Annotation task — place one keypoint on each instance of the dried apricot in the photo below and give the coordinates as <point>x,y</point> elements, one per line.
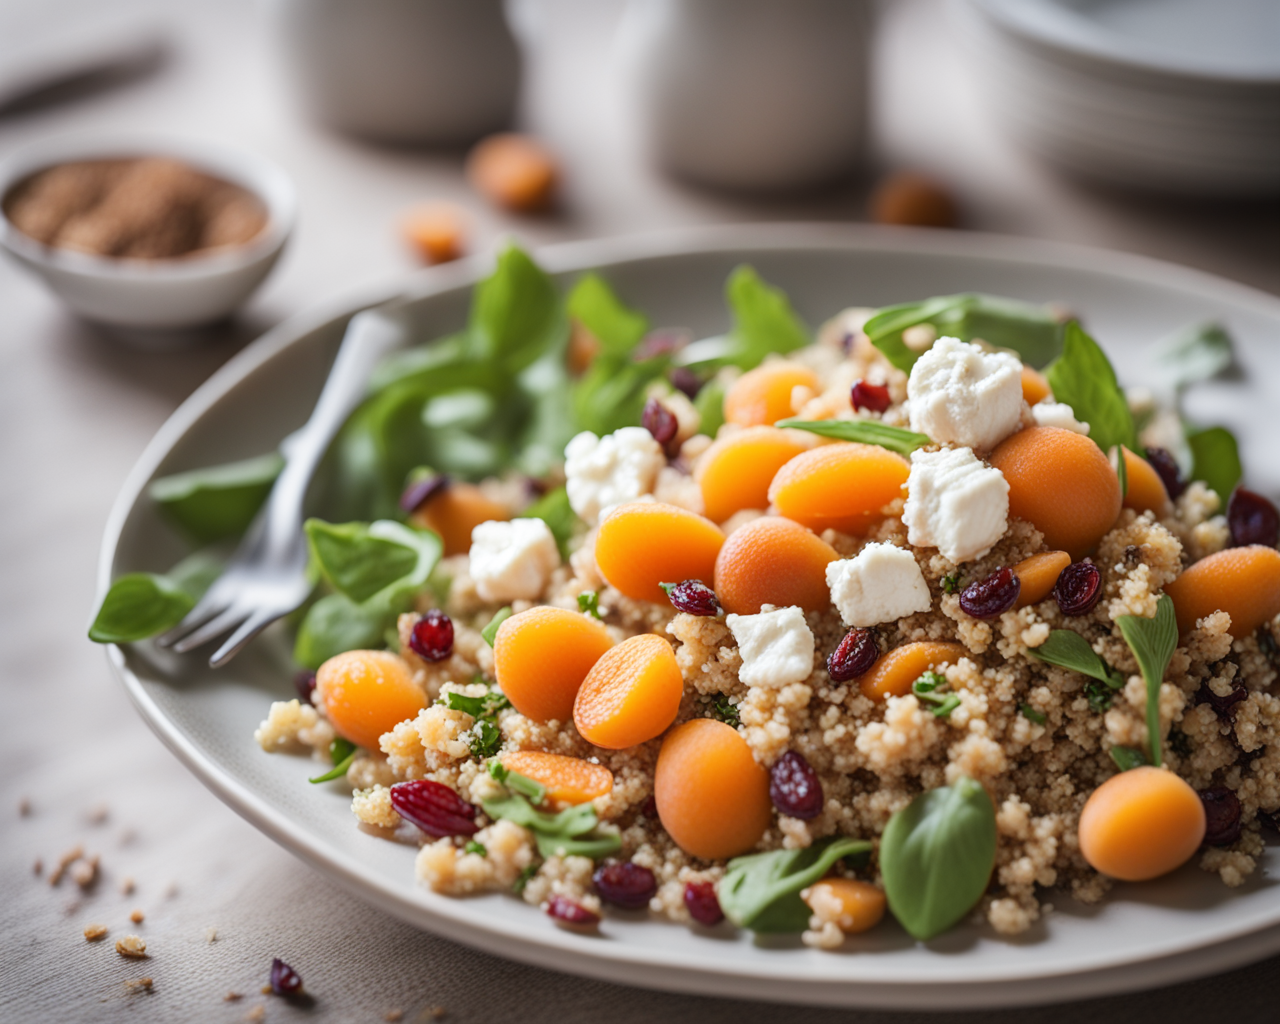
<point>735,471</point>
<point>1141,824</point>
<point>646,543</point>
<point>1243,582</point>
<point>763,396</point>
<point>1035,387</point>
<point>1038,574</point>
<point>515,171</point>
<point>454,512</point>
<point>839,486</point>
<point>630,695</point>
<point>1145,491</point>
<point>368,693</point>
<point>893,674</point>
<point>542,655</point>
<point>775,561</point>
<point>569,780</point>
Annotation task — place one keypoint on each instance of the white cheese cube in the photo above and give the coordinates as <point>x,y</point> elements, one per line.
<point>960,395</point>
<point>512,560</point>
<point>776,646</point>
<point>955,503</point>
<point>1058,414</point>
<point>882,583</point>
<point>601,472</point>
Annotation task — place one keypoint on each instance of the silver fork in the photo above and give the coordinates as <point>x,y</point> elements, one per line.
<point>266,577</point>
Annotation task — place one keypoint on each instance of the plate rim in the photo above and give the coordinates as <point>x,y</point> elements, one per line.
<point>644,966</point>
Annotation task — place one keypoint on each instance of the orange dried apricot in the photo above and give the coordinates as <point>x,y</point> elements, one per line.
<point>1141,824</point>
<point>855,905</point>
<point>763,396</point>
<point>630,695</point>
<point>438,232</point>
<point>1243,582</point>
<point>1035,386</point>
<point>839,486</point>
<point>1061,483</point>
<point>646,543</point>
<point>1038,574</point>
<point>712,796</point>
<point>736,470</point>
<point>367,693</point>
<point>514,171</point>
<point>542,655</point>
<point>1146,492</point>
<point>569,780</point>
<point>455,512</point>
<point>895,671</point>
<point>776,561</point>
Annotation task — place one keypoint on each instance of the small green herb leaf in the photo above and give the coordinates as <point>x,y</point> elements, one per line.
<point>490,631</point>
<point>341,753</point>
<point>1068,649</point>
<point>1100,696</point>
<point>724,710</point>
<point>950,584</point>
<point>1194,354</point>
<point>1153,642</point>
<point>485,740</point>
<point>475,847</point>
<point>218,502</point>
<point>1215,459</point>
<point>1083,378</point>
<point>936,856</point>
<point>589,604</point>
<point>904,442</point>
<point>1127,758</point>
<point>518,783</point>
<point>562,834</point>
<point>361,559</point>
<point>931,690</point>
<point>764,321</point>
<point>1031,714</point>
<point>762,890</point>
<point>526,873</point>
<point>617,327</point>
<point>477,707</point>
<point>1122,471</point>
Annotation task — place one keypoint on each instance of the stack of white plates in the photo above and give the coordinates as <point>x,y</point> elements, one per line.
<point>1169,95</point>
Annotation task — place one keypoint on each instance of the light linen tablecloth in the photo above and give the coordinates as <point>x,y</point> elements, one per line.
<point>218,899</point>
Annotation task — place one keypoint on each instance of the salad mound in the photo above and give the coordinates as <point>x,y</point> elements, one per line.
<point>922,613</point>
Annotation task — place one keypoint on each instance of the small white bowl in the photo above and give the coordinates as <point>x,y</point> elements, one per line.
<point>155,295</point>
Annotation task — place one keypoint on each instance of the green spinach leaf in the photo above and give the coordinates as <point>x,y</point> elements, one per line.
<point>1215,459</point>
<point>616,326</point>
<point>1197,353</point>
<point>1068,649</point>
<point>710,406</point>
<point>144,604</point>
<point>1083,378</point>
<point>361,559</point>
<point>761,891</point>
<point>553,509</point>
<point>566,834</point>
<point>764,321</point>
<point>219,502</point>
<point>896,439</point>
<point>936,856</point>
<point>335,624</point>
<point>1153,642</point>
<point>515,312</point>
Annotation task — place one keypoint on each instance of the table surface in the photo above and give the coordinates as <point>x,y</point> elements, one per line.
<point>76,409</point>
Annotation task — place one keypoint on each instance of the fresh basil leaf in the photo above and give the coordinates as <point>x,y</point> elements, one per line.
<point>710,406</point>
<point>761,891</point>
<point>936,856</point>
<point>617,327</point>
<point>139,605</point>
<point>515,312</point>
<point>1083,378</point>
<point>360,559</point>
<point>1127,758</point>
<point>219,502</point>
<point>335,624</point>
<point>1068,649</point>
<point>1153,642</point>
<point>1031,714</point>
<point>490,631</point>
<point>1215,459</point>
<point>553,508</point>
<point>764,321</point>
<point>1196,353</point>
<point>904,442</point>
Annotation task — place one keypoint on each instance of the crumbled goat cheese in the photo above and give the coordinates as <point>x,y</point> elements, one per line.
<point>955,503</point>
<point>1058,414</point>
<point>958,394</point>
<point>776,647</point>
<point>882,583</point>
<point>512,560</point>
<point>601,472</point>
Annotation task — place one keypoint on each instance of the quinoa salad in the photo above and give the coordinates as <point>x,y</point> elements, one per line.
<point>920,614</point>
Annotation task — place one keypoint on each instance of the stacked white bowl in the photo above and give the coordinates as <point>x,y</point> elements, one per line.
<point>1175,96</point>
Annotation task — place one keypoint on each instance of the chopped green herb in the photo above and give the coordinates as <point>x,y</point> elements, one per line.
<point>1127,758</point>
<point>1031,714</point>
<point>474,847</point>
<point>1179,742</point>
<point>761,891</point>
<point>950,584</point>
<point>1100,696</point>
<point>568,833</point>
<point>341,754</point>
<point>490,631</point>
<point>930,691</point>
<point>724,710</point>
<point>522,880</point>
<point>589,603</point>
<point>518,783</point>
<point>896,439</point>
<point>1068,649</point>
<point>486,739</point>
<point>1153,642</point>
<point>1215,459</point>
<point>477,707</point>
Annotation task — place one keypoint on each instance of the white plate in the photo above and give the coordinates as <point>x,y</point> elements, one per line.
<point>1180,927</point>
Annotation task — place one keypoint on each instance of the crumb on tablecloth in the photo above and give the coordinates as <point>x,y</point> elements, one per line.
<point>95,932</point>
<point>131,946</point>
<point>137,917</point>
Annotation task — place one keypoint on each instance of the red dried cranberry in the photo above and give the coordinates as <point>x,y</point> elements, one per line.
<point>1252,519</point>
<point>305,683</point>
<point>569,911</point>
<point>625,884</point>
<point>432,636</point>
<point>702,903</point>
<point>992,597</point>
<point>1166,467</point>
<point>660,421</point>
<point>684,379</point>
<point>866,395</point>
<point>434,808</point>
<point>422,491</point>
<point>1222,816</point>
<point>693,597</point>
<point>856,652</point>
<point>650,807</point>
<point>794,787</point>
<point>1078,589</point>
<point>1224,706</point>
<point>285,981</point>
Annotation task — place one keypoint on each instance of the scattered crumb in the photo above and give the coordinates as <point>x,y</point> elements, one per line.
<point>137,917</point>
<point>211,935</point>
<point>95,932</point>
<point>432,1013</point>
<point>232,997</point>
<point>38,866</point>
<point>393,1015</point>
<point>64,862</point>
<point>98,815</point>
<point>256,1013</point>
<point>126,885</point>
<point>138,984</point>
<point>24,808</point>
<point>85,872</point>
<point>132,946</point>
<point>267,990</point>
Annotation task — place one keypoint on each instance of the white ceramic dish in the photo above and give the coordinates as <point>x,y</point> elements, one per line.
<point>156,295</point>
<point>1179,927</point>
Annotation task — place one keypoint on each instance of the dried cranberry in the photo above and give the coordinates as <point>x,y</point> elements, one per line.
<point>1078,589</point>
<point>660,421</point>
<point>794,787</point>
<point>569,911</point>
<point>1166,468</point>
<point>989,598</point>
<point>1224,706</point>
<point>702,903</point>
<point>432,636</point>
<point>1222,816</point>
<point>625,884</point>
<point>422,491</point>
<point>1253,519</point>
<point>285,981</point>
<point>434,808</point>
<point>856,652</point>
<point>305,683</point>
<point>684,379</point>
<point>693,597</point>
<point>650,807</point>
<point>865,395</point>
